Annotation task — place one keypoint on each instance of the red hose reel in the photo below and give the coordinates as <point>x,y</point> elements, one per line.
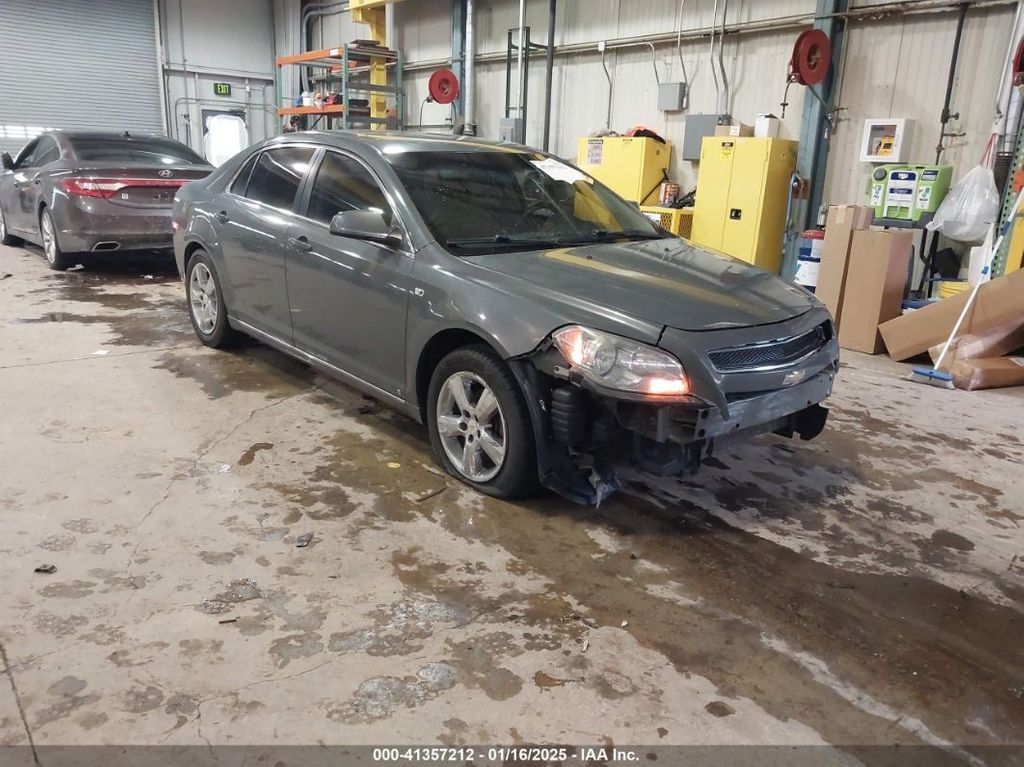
<point>443,86</point>
<point>812,55</point>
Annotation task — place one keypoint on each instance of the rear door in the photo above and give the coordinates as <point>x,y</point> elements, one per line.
<point>252,218</point>
<point>349,297</point>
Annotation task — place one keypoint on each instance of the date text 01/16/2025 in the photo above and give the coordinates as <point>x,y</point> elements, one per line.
<point>504,754</point>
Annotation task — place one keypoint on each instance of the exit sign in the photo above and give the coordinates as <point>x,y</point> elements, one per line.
<point>222,89</point>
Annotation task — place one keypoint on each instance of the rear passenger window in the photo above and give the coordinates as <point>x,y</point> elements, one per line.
<point>46,152</point>
<point>341,184</point>
<point>277,175</point>
<point>242,179</point>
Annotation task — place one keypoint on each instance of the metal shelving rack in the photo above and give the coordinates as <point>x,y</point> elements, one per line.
<point>368,77</point>
<point>1009,197</point>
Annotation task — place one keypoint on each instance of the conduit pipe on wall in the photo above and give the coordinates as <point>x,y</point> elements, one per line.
<point>316,11</point>
<point>470,72</point>
<point>723,102</point>
<point>711,54</point>
<point>521,68</point>
<point>1008,113</point>
<point>794,21</point>
<point>549,72</point>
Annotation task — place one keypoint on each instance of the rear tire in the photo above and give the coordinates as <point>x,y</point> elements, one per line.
<point>480,428</point>
<point>205,301</point>
<point>55,257</point>
<point>5,237</point>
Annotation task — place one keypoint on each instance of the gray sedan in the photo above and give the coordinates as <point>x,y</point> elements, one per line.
<point>542,328</point>
<point>75,192</point>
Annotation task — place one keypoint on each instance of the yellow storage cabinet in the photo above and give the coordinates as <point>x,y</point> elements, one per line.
<point>631,167</point>
<point>742,190</point>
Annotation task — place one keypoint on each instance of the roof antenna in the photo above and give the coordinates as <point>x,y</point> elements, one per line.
<point>127,134</point>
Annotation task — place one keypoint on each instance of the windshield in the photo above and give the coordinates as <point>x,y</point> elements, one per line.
<point>124,149</point>
<point>485,201</point>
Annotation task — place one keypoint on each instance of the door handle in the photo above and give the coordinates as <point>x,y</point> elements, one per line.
<point>222,216</point>
<point>300,243</point>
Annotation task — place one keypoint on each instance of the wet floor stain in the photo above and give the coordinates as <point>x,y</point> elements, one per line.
<point>546,681</point>
<point>238,591</point>
<point>381,696</point>
<point>951,540</point>
<point>247,368</point>
<point>719,708</point>
<point>250,452</point>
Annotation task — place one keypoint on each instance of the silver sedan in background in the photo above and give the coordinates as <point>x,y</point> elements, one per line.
<point>76,192</point>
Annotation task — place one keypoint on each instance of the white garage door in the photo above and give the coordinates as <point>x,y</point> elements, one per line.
<point>77,64</point>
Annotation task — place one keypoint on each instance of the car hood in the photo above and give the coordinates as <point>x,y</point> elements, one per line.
<point>671,282</point>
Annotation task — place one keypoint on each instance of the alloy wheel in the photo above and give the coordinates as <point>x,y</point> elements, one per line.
<point>471,426</point>
<point>49,238</point>
<point>203,299</point>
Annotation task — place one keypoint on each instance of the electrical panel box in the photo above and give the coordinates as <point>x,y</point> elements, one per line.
<point>632,167</point>
<point>510,129</point>
<point>696,128</point>
<point>908,192</point>
<point>742,194</point>
<point>672,97</point>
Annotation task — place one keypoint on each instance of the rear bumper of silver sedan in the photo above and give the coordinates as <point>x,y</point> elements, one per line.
<point>96,225</point>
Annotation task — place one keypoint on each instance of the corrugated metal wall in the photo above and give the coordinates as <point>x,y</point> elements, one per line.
<point>63,65</point>
<point>894,66</point>
<point>897,67</point>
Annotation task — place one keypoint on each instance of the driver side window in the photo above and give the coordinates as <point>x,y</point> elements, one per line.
<point>27,156</point>
<point>342,184</point>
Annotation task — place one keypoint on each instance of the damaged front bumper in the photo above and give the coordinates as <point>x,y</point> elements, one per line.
<point>584,434</point>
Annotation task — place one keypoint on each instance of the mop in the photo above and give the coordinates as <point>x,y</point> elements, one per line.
<point>933,376</point>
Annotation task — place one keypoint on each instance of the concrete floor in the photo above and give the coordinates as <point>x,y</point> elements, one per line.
<point>863,588</point>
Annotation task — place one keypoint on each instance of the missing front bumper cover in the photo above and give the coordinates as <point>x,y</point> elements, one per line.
<point>579,460</point>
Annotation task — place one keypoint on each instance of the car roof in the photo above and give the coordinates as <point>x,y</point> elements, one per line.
<point>396,142</point>
<point>73,135</point>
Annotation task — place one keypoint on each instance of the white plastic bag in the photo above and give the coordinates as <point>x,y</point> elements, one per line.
<point>970,207</point>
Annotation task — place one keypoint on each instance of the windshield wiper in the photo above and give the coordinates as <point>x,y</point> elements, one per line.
<point>603,235</point>
<point>503,240</point>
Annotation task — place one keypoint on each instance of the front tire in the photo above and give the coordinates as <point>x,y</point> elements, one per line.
<point>6,238</point>
<point>55,257</point>
<point>479,425</point>
<point>206,307</point>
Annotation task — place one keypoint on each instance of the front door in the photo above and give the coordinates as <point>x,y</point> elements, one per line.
<point>349,297</point>
<point>253,217</point>
<point>21,191</point>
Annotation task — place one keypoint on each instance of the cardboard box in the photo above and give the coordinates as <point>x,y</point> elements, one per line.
<point>734,130</point>
<point>842,222</point>
<point>988,373</point>
<point>994,342</point>
<point>875,282</point>
<point>767,126</point>
<point>999,302</point>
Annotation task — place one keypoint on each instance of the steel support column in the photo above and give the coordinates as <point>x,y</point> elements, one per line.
<point>815,133</point>
<point>459,50</point>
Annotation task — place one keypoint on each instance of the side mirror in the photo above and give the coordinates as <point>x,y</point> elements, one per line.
<point>365,225</point>
<point>7,161</point>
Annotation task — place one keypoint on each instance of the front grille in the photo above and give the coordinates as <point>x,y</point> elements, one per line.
<point>772,354</point>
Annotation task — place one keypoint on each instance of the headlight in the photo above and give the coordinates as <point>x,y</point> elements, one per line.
<point>619,363</point>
